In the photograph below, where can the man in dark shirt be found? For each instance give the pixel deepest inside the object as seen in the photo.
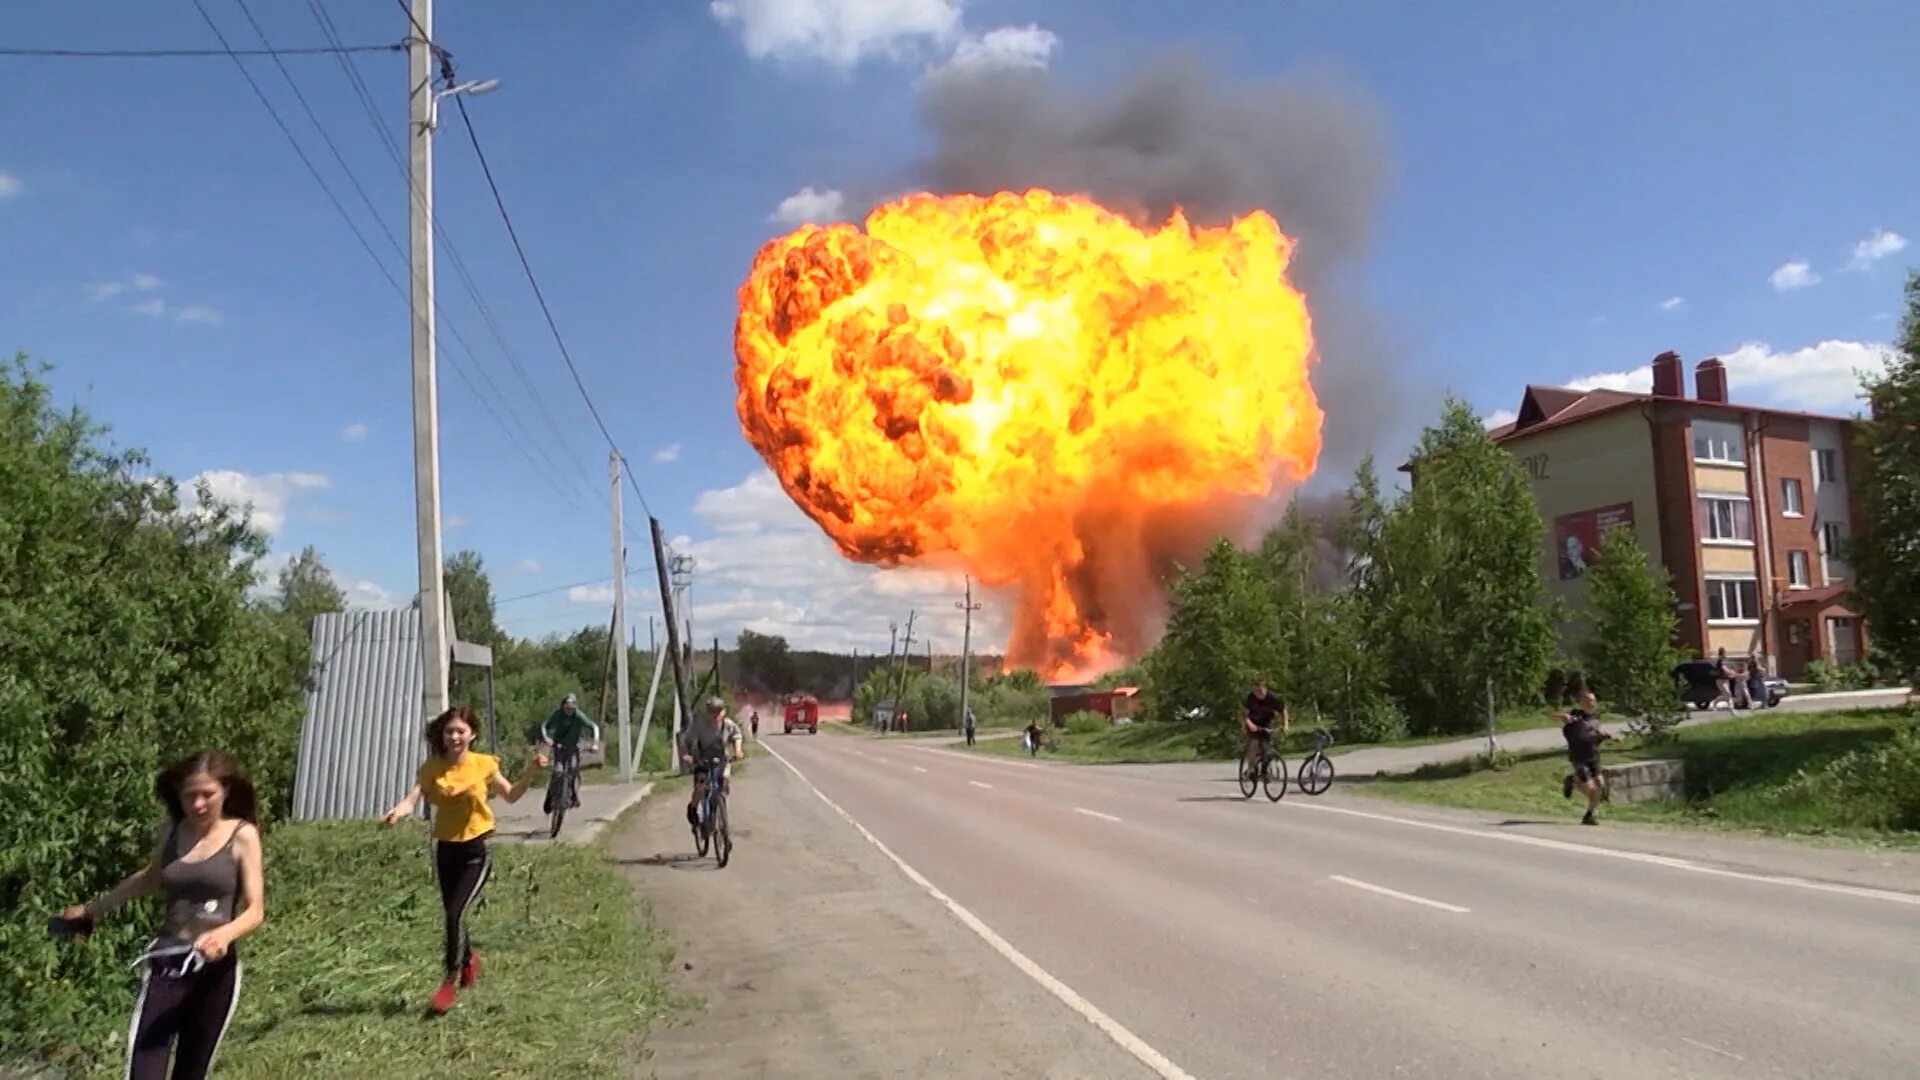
(1580, 726)
(1262, 708)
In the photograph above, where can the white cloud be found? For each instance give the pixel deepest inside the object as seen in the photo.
(527, 566)
(367, 595)
(591, 594)
(145, 282)
(1673, 303)
(265, 497)
(1797, 274)
(105, 290)
(1009, 47)
(839, 33)
(1499, 418)
(200, 313)
(808, 206)
(154, 306)
(756, 503)
(1878, 246)
(1818, 378)
(10, 185)
(670, 452)
(355, 431)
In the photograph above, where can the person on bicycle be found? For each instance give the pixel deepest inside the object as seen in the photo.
(190, 973)
(1262, 708)
(562, 732)
(714, 737)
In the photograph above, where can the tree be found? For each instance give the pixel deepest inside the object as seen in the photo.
(307, 590)
(1221, 635)
(1456, 580)
(765, 662)
(1628, 648)
(470, 593)
(1886, 479)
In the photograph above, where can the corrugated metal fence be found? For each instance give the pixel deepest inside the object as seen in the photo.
(361, 742)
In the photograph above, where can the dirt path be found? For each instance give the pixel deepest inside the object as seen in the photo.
(813, 956)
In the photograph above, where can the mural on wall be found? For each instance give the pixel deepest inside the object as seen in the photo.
(1576, 536)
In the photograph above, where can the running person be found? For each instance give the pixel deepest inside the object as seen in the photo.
(206, 867)
(1258, 714)
(457, 782)
(562, 731)
(701, 742)
(1581, 728)
(754, 719)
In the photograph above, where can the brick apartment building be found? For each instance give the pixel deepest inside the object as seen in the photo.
(1746, 507)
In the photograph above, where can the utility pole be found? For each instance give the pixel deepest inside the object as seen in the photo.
(436, 652)
(906, 662)
(966, 649)
(886, 688)
(673, 634)
(619, 637)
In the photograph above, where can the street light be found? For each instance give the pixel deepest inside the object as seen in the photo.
(470, 88)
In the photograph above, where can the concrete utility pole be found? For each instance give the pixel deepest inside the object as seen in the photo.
(906, 664)
(436, 652)
(620, 619)
(893, 643)
(673, 632)
(966, 649)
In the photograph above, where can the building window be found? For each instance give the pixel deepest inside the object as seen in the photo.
(1733, 600)
(1832, 539)
(1840, 634)
(1726, 520)
(1799, 569)
(1825, 468)
(1790, 503)
(1719, 442)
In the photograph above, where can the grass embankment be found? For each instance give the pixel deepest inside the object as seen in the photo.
(336, 981)
(1148, 742)
(1852, 774)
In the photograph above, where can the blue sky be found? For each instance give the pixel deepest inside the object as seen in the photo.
(1569, 195)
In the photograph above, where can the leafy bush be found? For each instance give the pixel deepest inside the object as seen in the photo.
(1086, 722)
(1379, 721)
(1877, 787)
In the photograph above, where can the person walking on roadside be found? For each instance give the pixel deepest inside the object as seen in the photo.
(206, 867)
(753, 718)
(968, 723)
(457, 782)
(1722, 681)
(1580, 726)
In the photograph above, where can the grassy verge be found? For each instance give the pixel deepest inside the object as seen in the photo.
(336, 981)
(1760, 774)
(1148, 742)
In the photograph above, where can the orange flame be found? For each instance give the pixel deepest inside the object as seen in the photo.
(1024, 382)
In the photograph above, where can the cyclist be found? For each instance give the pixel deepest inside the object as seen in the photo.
(562, 731)
(1262, 707)
(702, 741)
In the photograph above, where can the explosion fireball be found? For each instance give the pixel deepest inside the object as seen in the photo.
(1034, 387)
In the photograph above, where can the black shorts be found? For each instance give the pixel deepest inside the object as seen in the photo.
(1585, 769)
(1261, 731)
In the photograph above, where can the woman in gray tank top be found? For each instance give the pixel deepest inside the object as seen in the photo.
(206, 868)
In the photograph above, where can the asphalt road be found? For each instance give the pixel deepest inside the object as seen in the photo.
(1202, 935)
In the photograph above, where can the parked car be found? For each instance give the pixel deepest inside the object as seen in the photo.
(1694, 679)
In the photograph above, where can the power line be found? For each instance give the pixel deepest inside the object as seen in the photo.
(519, 250)
(601, 580)
(335, 49)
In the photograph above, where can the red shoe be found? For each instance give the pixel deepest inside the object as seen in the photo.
(470, 971)
(442, 998)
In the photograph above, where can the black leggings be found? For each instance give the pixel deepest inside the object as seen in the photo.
(461, 866)
(187, 1014)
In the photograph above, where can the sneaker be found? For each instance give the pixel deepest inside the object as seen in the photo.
(1566, 787)
(470, 971)
(576, 802)
(442, 998)
(1587, 819)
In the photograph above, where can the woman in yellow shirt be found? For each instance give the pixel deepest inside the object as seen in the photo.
(457, 782)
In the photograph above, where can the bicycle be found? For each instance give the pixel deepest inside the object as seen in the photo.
(712, 830)
(563, 785)
(1316, 771)
(1269, 773)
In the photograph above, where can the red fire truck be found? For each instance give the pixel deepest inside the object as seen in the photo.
(802, 711)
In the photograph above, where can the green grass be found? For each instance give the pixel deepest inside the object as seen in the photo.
(336, 980)
(1739, 775)
(1151, 742)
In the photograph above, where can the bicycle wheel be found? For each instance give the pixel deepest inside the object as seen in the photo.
(1249, 779)
(1316, 774)
(722, 839)
(1273, 778)
(703, 832)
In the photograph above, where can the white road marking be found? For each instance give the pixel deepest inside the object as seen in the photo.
(1629, 856)
(977, 783)
(1095, 813)
(1409, 897)
(1711, 1049)
(1126, 1040)
(919, 768)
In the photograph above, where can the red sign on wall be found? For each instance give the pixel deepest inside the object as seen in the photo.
(1576, 536)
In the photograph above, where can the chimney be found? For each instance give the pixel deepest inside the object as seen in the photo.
(1710, 380)
(1668, 380)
